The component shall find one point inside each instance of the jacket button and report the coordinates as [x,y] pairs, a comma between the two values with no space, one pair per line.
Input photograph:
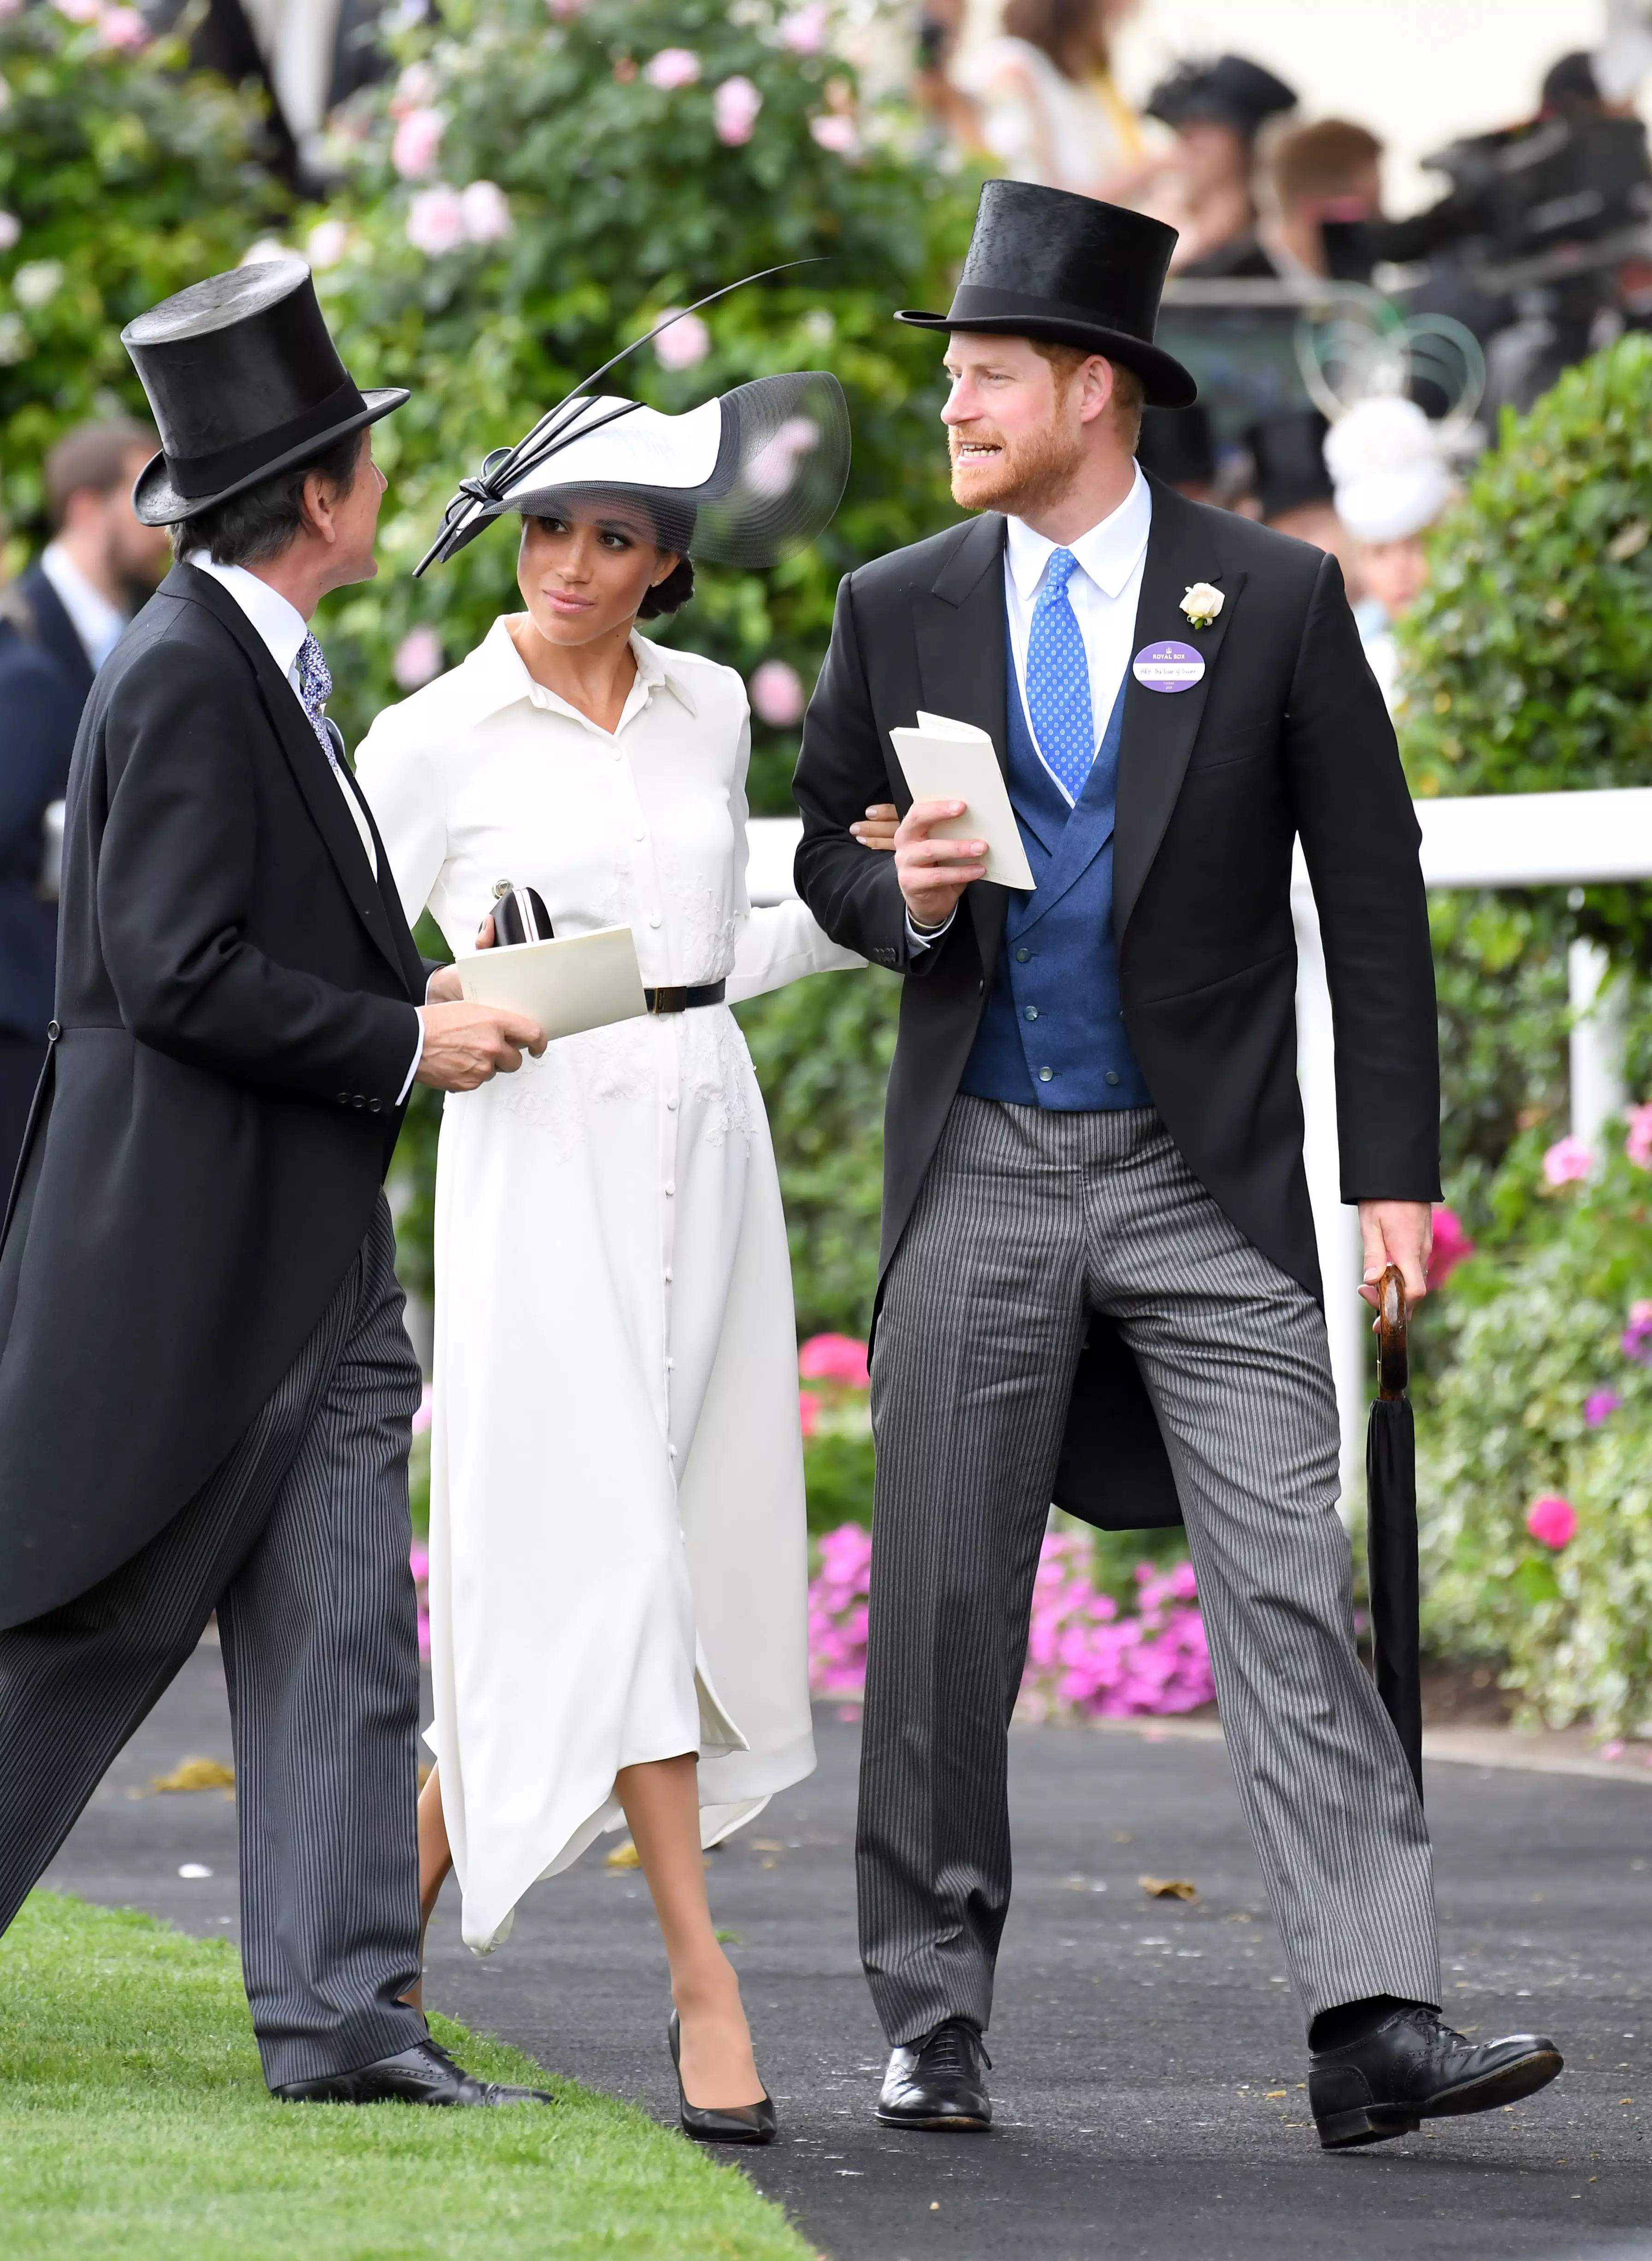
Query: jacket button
[376,1106]
[1021,956]
[1112,1076]
[53,1031]
[358,1101]
[344,1099]
[1044,1075]
[1032,1012]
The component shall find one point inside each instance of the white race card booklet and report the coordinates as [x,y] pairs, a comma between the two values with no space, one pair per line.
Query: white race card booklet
[578,981]
[942,760]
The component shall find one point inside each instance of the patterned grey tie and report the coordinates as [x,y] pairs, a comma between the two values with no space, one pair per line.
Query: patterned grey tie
[315,689]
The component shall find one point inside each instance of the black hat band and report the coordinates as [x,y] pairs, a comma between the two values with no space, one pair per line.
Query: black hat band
[988,303]
[209,474]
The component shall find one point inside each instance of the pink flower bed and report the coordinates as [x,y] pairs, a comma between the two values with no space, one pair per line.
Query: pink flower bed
[1087,1656]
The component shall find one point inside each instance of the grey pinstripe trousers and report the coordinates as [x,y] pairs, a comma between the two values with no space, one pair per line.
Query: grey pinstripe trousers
[300,1541]
[1027,1220]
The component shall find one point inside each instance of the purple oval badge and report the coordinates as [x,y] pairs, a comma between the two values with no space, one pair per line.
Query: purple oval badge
[1168,666]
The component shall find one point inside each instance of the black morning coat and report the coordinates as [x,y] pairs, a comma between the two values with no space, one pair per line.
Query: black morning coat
[235,998]
[1286,735]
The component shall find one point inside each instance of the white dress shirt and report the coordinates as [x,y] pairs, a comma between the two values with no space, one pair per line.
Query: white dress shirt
[284,628]
[1105,594]
[97,623]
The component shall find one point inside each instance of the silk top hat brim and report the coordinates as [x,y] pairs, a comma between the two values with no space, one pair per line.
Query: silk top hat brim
[1070,270]
[244,381]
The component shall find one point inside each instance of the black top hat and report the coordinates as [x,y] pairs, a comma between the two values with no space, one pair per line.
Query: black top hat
[1230,91]
[1289,453]
[244,380]
[1177,445]
[1044,263]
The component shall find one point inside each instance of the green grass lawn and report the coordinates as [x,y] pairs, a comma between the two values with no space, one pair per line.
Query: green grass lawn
[134,2122]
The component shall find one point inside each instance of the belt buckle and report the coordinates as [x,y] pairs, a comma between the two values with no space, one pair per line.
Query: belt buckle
[669,1001]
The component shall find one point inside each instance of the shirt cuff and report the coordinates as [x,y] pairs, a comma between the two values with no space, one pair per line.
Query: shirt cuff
[927,937]
[419,1054]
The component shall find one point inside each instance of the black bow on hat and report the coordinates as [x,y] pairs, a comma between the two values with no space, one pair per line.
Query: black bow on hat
[1044,263]
[244,380]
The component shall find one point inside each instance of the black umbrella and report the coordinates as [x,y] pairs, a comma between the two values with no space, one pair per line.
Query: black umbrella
[1390,1526]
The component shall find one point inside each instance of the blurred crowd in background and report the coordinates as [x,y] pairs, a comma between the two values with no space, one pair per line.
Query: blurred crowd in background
[1350,364]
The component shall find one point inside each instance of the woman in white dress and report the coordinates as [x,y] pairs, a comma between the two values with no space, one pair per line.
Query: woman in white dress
[1050,111]
[617,1542]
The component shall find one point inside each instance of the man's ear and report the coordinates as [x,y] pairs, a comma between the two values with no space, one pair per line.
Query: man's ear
[1095,388]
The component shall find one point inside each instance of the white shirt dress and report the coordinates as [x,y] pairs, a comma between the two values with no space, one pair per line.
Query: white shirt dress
[617,1544]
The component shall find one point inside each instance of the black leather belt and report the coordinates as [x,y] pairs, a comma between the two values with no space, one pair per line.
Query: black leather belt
[681,1001]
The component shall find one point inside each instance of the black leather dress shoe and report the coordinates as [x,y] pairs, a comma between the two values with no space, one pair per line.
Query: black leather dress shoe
[728,2123]
[1415,2067]
[424,2074]
[938,2083]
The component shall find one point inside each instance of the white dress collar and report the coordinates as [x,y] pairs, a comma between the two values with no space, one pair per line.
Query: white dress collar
[500,679]
[282,627]
[1109,553]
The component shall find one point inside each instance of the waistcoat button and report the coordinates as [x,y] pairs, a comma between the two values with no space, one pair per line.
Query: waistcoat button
[1044,1075]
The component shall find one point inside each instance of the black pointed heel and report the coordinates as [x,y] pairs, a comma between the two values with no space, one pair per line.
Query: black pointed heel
[735,2123]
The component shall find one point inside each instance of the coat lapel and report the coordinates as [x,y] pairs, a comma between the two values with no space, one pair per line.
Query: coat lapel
[1160,727]
[309,766]
[961,628]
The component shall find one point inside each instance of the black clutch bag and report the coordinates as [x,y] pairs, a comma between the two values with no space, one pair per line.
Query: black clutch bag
[519,915]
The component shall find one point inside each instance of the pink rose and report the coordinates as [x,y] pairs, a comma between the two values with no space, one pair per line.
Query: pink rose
[772,470]
[436,220]
[1451,1245]
[808,1411]
[1638,1145]
[1636,1340]
[326,244]
[805,29]
[416,89]
[486,212]
[1599,1406]
[418,139]
[835,1357]
[1567,1160]
[734,108]
[776,693]
[672,68]
[419,1563]
[9,8]
[837,134]
[565,11]
[1552,1521]
[122,28]
[80,12]
[686,343]
[418,660]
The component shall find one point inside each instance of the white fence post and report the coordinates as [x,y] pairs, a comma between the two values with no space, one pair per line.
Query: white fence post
[1595,1043]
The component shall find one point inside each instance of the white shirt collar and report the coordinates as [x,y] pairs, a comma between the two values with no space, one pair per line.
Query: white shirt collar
[502,678]
[97,623]
[282,627]
[1108,553]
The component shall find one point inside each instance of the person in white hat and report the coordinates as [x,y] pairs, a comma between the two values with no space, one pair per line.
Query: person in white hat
[617,1540]
[1392,483]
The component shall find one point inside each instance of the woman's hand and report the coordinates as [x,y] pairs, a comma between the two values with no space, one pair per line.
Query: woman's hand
[878,827]
[443,988]
[485,936]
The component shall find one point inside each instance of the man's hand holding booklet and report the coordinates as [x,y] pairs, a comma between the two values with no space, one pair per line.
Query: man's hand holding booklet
[944,760]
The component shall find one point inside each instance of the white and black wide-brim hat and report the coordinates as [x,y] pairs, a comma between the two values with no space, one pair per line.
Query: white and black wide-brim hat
[244,380]
[741,480]
[1044,263]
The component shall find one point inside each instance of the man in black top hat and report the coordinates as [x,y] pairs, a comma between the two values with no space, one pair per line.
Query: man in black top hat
[206,1386]
[1098,1279]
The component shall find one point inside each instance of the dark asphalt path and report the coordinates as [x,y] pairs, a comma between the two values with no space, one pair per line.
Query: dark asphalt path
[1149,2058]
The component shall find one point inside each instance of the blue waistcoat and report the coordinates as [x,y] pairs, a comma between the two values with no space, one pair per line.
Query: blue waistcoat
[1052,1034]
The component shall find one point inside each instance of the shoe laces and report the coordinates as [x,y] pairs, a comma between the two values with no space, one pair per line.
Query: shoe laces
[953,2049]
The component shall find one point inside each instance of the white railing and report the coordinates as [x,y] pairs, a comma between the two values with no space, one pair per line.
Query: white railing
[1515,840]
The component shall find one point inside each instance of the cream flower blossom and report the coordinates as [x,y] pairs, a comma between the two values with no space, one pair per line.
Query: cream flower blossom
[1202,603]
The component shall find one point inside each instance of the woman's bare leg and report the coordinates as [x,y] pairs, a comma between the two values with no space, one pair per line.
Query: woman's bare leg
[435,1861]
[662,1804]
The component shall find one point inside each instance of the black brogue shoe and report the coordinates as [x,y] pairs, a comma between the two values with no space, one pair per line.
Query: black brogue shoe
[1413,2068]
[424,2074]
[939,2083]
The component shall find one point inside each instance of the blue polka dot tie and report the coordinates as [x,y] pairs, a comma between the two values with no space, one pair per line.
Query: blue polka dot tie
[315,689]
[1058,681]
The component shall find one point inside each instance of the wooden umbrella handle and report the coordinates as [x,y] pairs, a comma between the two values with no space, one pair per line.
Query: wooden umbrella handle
[1393,1362]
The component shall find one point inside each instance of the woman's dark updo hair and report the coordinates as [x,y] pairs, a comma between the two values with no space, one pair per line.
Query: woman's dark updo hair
[670,595]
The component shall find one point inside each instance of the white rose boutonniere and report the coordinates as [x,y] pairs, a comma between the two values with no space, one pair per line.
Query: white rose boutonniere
[1201,604]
